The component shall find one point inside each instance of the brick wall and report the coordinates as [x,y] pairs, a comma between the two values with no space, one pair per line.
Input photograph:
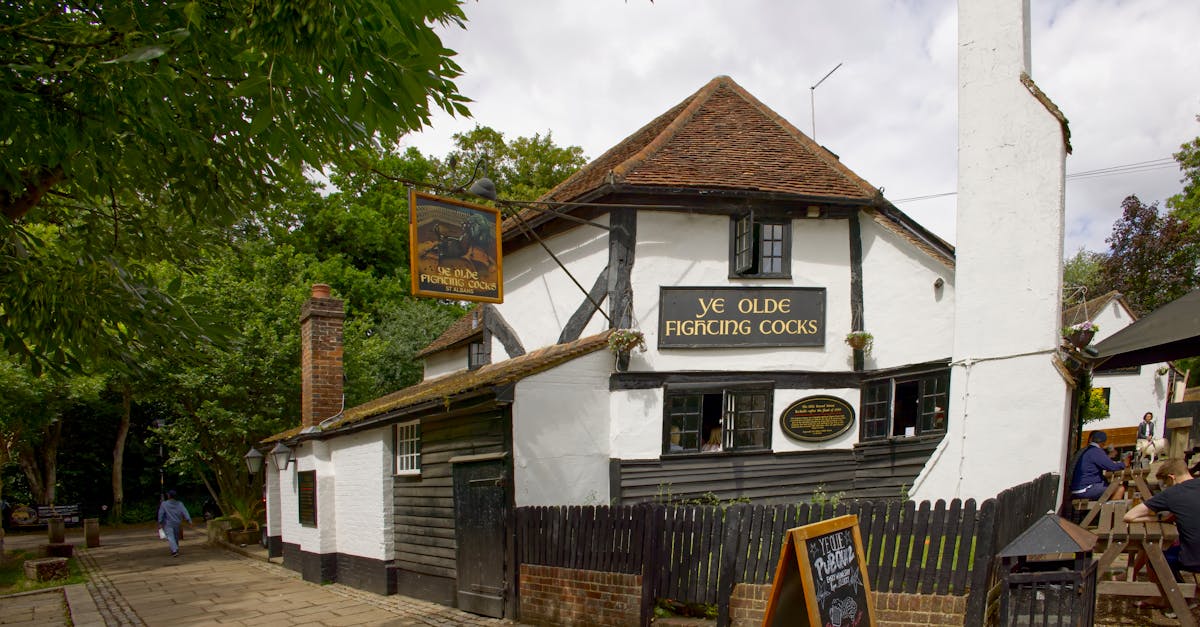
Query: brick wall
[570,597]
[320,356]
[749,602]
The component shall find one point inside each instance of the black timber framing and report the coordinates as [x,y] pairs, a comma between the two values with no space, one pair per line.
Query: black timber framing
[499,328]
[857,321]
[781,379]
[587,309]
[622,241]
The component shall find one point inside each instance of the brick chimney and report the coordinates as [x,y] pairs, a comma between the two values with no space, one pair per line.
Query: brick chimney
[320,356]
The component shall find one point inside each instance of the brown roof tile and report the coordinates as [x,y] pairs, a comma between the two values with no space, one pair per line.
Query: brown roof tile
[507,371]
[720,137]
[464,329]
[1086,311]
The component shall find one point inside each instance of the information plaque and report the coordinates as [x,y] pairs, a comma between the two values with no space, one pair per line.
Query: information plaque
[817,418]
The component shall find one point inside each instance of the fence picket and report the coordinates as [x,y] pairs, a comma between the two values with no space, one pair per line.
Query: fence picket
[937,547]
[920,545]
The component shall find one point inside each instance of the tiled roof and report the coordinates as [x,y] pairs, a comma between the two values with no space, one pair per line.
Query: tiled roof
[443,388]
[1086,311]
[464,329]
[720,137]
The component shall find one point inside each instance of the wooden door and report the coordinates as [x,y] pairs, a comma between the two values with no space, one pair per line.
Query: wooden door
[482,508]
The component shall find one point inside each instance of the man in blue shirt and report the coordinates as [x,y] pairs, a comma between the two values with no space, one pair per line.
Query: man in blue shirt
[1087,482]
[171,514]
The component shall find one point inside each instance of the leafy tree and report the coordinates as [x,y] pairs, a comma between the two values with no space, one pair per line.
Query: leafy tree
[1153,259]
[522,169]
[1186,204]
[33,410]
[142,131]
[1084,270]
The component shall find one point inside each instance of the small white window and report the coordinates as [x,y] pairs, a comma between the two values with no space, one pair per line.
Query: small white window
[408,448]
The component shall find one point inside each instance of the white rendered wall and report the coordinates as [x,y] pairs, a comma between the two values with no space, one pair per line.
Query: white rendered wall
[637,423]
[309,455]
[684,250]
[1009,405]
[363,499]
[445,362]
[561,434]
[911,320]
[539,297]
[274,509]
[781,443]
[1131,395]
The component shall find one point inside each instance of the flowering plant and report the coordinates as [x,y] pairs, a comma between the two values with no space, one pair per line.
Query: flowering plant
[860,340]
[625,340]
[1082,327]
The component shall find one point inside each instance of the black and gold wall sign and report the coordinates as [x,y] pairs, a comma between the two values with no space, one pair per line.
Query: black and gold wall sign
[716,317]
[817,418]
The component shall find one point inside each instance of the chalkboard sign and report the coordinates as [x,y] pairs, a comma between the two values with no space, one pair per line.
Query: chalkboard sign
[821,579]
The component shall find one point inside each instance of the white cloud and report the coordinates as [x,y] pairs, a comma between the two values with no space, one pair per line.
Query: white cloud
[593,72]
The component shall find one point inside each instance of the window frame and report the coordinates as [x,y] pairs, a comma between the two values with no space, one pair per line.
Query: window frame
[479,354]
[750,246]
[306,518]
[877,403]
[737,401]
[406,462]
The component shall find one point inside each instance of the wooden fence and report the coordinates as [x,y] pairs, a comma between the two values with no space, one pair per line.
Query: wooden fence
[696,554]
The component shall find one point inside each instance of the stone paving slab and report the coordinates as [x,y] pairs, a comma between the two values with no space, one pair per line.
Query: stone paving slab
[135,582]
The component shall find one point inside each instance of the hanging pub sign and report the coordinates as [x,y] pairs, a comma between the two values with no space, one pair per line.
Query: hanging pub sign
[720,317]
[821,579]
[817,418]
[454,249]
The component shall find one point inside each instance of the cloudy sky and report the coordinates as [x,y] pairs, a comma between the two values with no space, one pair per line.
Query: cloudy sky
[1125,73]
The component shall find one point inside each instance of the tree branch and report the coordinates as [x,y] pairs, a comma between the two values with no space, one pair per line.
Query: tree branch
[15,208]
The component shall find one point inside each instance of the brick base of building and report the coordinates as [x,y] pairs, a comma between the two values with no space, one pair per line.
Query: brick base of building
[749,603]
[574,598]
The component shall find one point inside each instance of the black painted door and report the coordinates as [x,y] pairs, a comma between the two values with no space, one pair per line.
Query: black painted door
[481,515]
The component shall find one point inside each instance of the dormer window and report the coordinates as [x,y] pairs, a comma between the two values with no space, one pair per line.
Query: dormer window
[759,247]
[478,355]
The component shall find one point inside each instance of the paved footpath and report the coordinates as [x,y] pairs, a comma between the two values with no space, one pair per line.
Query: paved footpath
[135,581]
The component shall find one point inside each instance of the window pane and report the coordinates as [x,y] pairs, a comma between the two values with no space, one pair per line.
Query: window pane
[935,393]
[876,409]
[408,448]
[684,418]
[748,419]
[743,244]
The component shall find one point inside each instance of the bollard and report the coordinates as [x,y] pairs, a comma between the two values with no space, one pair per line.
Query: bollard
[91,532]
[56,528]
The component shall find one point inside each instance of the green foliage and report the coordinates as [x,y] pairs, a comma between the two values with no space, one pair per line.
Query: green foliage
[1084,270]
[821,498]
[141,132]
[1153,259]
[246,510]
[139,512]
[1186,204]
[1095,408]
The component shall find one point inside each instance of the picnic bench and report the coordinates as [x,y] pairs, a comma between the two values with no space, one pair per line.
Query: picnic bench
[1136,487]
[1151,537]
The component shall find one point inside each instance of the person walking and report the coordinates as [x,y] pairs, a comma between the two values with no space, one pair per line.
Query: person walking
[171,514]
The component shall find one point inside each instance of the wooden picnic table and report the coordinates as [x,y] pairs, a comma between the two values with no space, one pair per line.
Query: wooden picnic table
[1136,488]
[1151,537]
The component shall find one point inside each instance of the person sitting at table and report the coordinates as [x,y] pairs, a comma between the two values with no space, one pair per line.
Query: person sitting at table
[713,444]
[1088,479]
[1181,499]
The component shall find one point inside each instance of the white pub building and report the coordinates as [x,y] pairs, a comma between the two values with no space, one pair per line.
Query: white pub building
[746,255]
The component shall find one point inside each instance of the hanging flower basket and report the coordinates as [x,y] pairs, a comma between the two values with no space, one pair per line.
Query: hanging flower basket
[860,340]
[1081,334]
[625,340]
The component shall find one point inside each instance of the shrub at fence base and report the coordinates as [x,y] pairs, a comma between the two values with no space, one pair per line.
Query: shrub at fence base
[575,598]
[749,602]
